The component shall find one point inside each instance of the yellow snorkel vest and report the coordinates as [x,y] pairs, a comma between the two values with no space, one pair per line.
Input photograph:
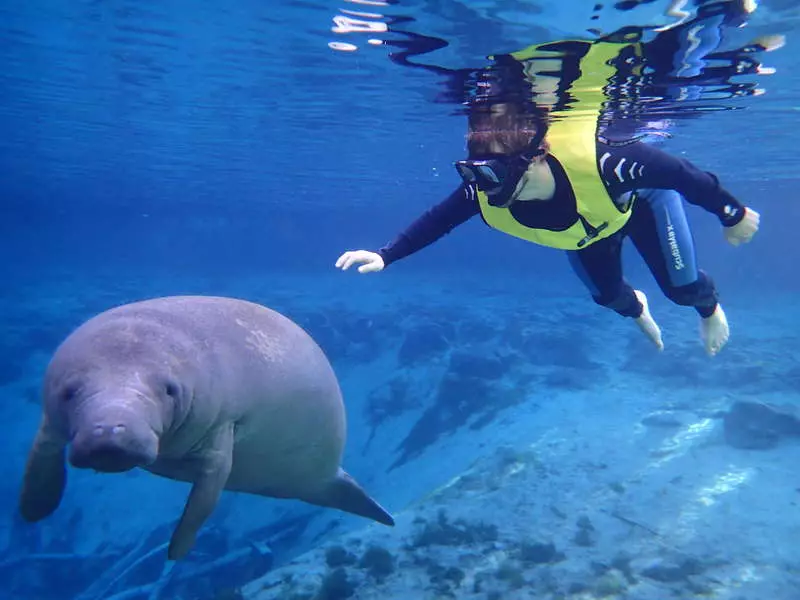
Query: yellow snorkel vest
[572,136]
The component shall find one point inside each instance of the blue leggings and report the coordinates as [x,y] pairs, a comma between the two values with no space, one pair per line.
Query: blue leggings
[660,232]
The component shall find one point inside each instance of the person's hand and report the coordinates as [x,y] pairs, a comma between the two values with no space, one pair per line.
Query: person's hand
[371,262]
[744,230]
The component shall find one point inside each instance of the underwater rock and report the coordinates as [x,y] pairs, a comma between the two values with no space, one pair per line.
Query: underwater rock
[477,332]
[673,570]
[360,329]
[680,370]
[389,400]
[283,534]
[622,563]
[586,532]
[425,341]
[442,578]
[759,426]
[662,418]
[466,364]
[559,351]
[512,574]
[349,334]
[466,396]
[457,399]
[495,471]
[537,553]
[567,379]
[229,594]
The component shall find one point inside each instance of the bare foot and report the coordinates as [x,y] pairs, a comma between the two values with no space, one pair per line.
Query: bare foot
[646,322]
[715,331]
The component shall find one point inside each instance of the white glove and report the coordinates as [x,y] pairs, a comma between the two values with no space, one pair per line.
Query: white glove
[371,262]
[744,230]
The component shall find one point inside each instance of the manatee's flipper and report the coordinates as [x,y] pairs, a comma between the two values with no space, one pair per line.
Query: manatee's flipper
[45,477]
[345,494]
[213,471]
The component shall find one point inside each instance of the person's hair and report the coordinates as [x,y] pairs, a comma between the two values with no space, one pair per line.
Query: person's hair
[504,128]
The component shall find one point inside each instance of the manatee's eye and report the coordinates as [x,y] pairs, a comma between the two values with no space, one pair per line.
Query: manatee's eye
[70,391]
[171,389]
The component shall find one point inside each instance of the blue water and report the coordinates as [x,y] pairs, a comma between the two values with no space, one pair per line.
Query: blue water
[155,148]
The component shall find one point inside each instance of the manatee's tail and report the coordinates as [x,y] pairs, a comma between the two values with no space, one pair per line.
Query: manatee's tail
[345,494]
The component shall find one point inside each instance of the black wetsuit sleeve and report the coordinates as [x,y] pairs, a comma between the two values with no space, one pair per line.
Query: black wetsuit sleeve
[434,223]
[640,166]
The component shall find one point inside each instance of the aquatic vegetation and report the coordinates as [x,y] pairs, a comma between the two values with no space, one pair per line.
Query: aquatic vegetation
[336,586]
[442,532]
[378,562]
[339,556]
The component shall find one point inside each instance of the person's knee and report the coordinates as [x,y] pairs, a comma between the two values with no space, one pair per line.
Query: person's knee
[684,295]
[622,301]
[700,292]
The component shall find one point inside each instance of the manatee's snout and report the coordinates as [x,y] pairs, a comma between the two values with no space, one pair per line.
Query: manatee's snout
[113,445]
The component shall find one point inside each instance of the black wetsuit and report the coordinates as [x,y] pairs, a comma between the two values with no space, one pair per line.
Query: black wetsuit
[658,226]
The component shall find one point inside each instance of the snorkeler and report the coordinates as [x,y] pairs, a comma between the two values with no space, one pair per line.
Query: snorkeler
[545,176]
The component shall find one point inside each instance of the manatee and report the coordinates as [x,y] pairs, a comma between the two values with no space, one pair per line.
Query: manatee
[219,392]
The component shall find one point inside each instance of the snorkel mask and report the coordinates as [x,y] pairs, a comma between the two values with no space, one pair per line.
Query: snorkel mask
[498,175]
